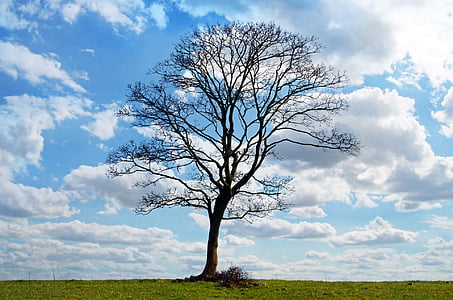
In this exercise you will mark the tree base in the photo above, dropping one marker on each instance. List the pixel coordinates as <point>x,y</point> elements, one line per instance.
<point>202,277</point>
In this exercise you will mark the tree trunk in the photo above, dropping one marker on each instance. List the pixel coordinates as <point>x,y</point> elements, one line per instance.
<point>212,260</point>
<point>210,268</point>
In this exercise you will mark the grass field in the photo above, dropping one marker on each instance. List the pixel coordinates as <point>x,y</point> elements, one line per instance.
<point>274,289</point>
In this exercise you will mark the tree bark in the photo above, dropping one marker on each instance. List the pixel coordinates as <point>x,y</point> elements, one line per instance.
<point>212,260</point>
<point>215,219</point>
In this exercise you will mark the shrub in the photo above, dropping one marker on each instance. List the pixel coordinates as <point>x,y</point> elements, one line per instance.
<point>232,277</point>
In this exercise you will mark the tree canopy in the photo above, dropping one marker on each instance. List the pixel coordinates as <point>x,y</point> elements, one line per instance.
<point>223,102</point>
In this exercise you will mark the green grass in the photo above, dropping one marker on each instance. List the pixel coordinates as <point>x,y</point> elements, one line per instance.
<point>274,289</point>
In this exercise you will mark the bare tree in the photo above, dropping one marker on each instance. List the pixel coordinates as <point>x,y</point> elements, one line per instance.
<point>222,103</point>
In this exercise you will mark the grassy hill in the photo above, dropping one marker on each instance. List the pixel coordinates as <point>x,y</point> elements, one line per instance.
<point>274,289</point>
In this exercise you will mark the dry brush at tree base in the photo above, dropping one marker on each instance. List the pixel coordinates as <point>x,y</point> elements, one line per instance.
<point>222,103</point>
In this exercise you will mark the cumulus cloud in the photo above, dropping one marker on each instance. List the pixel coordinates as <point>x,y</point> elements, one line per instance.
<point>88,182</point>
<point>102,234</point>
<point>396,162</point>
<point>235,241</point>
<point>396,157</point>
<point>272,228</point>
<point>21,201</point>
<point>85,250</point>
<point>391,128</point>
<point>19,62</point>
<point>24,118</point>
<point>105,123</point>
<point>309,212</point>
<point>361,37</point>
<point>407,205</point>
<point>201,220</point>
<point>314,186</point>
<point>115,12</point>
<point>365,258</point>
<point>375,264</point>
<point>82,260</point>
<point>439,255</point>
<point>253,263</point>
<point>445,116</point>
<point>377,232</point>
<point>130,14</point>
<point>152,238</point>
<point>355,36</point>
<point>316,254</point>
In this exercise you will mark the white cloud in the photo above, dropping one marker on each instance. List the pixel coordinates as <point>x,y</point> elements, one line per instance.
<point>361,37</point>
<point>236,241</point>
<point>19,62</point>
<point>365,200</point>
<point>440,244</point>
<point>9,19</point>
<point>157,12</point>
<point>102,234</point>
<point>270,228</point>
<point>374,264</point>
<point>201,220</point>
<point>441,222</point>
<point>314,186</point>
<point>200,8</point>
<point>253,263</point>
<point>24,118</point>
<point>357,264</point>
<point>419,188</point>
<point>392,140</point>
<point>81,75</point>
<point>30,7</point>
<point>316,254</point>
<point>396,162</point>
<point>277,228</point>
<point>38,257</point>
<point>70,12</point>
<point>365,257</point>
<point>439,255</point>
<point>445,116</point>
<point>388,128</point>
<point>105,123</point>
<point>406,206</point>
<point>406,73</point>
<point>130,14</point>
<point>377,232</point>
<point>21,201</point>
<point>355,37</point>
<point>87,183</point>
<point>89,51</point>
<point>63,108</point>
<point>84,250</point>
<point>309,212</point>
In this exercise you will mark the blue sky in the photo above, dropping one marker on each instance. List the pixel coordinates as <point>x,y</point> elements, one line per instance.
<point>384,215</point>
